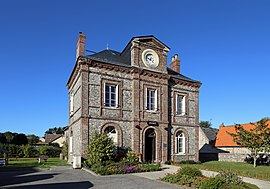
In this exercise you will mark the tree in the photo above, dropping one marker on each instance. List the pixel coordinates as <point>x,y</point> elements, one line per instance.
<point>19,139</point>
<point>9,136</point>
<point>256,139</point>
<point>32,139</point>
<point>100,149</point>
<point>205,124</point>
<point>55,130</point>
<point>3,138</point>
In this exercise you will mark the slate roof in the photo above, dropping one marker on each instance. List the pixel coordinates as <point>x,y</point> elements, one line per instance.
<point>180,76</point>
<point>225,140</point>
<point>211,133</point>
<point>110,57</point>
<point>51,137</point>
<point>115,58</point>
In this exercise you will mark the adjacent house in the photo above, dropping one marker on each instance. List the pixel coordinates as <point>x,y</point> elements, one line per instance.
<point>233,151</point>
<point>207,151</point>
<point>55,138</point>
<point>134,97</point>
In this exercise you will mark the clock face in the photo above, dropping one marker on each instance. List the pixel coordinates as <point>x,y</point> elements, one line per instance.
<point>150,58</point>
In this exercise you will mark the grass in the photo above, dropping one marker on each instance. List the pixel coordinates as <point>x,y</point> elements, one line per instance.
<point>32,162</point>
<point>242,169</point>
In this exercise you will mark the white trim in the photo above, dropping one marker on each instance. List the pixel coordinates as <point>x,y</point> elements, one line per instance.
<point>70,144</point>
<point>71,104</point>
<point>155,55</point>
<point>116,96</point>
<point>183,104</point>
<point>183,144</point>
<point>156,100</point>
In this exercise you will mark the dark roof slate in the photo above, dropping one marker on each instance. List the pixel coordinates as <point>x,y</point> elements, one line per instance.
<point>110,57</point>
<point>211,133</point>
<point>115,58</point>
<point>180,76</point>
<point>51,137</point>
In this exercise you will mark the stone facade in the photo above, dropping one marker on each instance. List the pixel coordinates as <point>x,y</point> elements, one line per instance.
<point>132,121</point>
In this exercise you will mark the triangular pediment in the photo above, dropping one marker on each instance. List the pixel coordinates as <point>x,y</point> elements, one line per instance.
<point>150,40</point>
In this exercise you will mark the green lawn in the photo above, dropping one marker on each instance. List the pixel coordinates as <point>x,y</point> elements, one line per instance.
<point>32,162</point>
<point>242,169</point>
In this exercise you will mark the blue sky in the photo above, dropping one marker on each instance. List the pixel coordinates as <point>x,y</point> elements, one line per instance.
<point>223,44</point>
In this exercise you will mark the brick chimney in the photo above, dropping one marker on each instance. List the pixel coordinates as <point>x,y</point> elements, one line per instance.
<point>175,63</point>
<point>80,45</point>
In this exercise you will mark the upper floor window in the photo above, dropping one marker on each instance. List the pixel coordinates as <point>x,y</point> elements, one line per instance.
<point>180,143</point>
<point>151,99</point>
<point>111,95</point>
<point>180,104</point>
<point>71,104</point>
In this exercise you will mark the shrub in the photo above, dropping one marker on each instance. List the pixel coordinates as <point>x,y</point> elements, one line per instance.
<point>55,145</point>
<point>226,180</point>
<point>49,151</point>
<point>168,162</point>
<point>14,150</point>
<point>131,158</point>
<point>151,167</point>
<point>190,177</point>
<point>189,162</point>
<point>120,153</point>
<point>171,178</point>
<point>65,149</point>
<point>28,151</point>
<point>211,183</point>
<point>100,149</point>
<point>190,171</point>
<point>230,178</point>
<point>263,159</point>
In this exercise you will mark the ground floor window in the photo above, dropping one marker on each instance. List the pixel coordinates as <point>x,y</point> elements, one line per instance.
<point>112,133</point>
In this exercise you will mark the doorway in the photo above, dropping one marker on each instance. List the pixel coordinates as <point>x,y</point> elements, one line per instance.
<point>150,145</point>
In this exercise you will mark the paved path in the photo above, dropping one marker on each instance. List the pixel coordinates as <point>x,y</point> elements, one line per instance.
<point>67,178</point>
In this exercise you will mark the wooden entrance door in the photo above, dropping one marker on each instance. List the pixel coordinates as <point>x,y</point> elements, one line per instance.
<point>150,145</point>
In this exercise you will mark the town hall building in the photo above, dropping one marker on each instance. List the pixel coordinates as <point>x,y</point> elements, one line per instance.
<point>134,97</point>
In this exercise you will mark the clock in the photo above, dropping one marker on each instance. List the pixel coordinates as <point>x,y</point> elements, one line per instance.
<point>150,58</point>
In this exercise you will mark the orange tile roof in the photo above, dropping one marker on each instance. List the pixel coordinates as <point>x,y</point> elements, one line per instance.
<point>224,139</point>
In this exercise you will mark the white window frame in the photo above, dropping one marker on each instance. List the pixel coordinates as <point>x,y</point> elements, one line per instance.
<point>110,100</point>
<point>148,100</point>
<point>70,144</point>
<point>112,135</point>
<point>180,136</point>
<point>71,104</point>
<point>180,110</point>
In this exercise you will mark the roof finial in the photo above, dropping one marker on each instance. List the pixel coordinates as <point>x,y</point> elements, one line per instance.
<point>107,46</point>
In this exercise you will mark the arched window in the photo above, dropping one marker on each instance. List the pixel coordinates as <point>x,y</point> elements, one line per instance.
<point>180,142</point>
<point>111,131</point>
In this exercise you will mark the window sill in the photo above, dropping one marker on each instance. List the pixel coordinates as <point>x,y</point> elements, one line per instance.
<point>152,111</point>
<point>112,107</point>
<point>180,154</point>
<point>181,115</point>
